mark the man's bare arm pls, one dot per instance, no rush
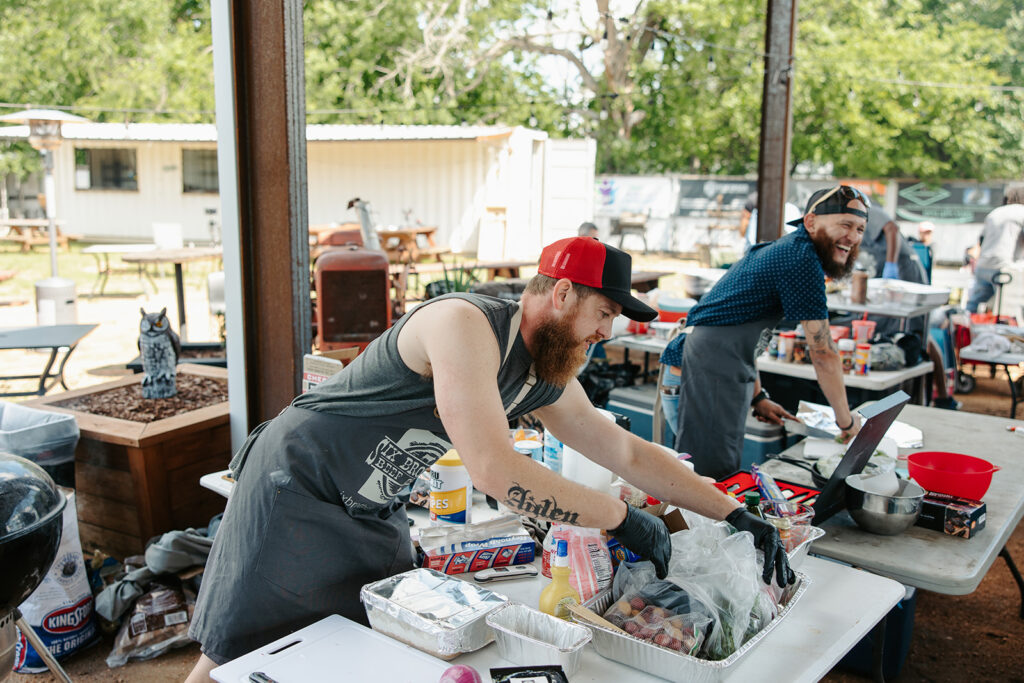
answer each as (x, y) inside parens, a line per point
(577, 423)
(829, 369)
(456, 346)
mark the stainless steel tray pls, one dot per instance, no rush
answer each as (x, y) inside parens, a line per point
(528, 636)
(439, 614)
(671, 665)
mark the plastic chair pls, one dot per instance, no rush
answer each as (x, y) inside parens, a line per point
(168, 236)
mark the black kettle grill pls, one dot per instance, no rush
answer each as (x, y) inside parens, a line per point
(31, 521)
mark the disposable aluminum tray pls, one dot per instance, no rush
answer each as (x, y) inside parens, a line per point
(672, 665)
(526, 635)
(907, 293)
(798, 554)
(439, 614)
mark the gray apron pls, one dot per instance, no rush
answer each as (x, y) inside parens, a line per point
(716, 386)
(313, 517)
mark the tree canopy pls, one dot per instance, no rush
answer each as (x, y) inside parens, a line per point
(881, 88)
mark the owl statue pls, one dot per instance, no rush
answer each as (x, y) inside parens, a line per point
(160, 348)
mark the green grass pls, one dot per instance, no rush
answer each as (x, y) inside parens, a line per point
(30, 267)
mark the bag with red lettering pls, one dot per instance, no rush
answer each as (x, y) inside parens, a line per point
(60, 610)
(589, 560)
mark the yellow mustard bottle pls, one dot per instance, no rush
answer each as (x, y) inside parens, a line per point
(556, 594)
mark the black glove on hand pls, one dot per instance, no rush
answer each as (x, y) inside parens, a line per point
(766, 537)
(647, 536)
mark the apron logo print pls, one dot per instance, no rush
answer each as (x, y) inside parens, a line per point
(398, 466)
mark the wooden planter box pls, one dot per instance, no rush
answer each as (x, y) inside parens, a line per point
(135, 480)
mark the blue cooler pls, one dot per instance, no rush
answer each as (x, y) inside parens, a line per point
(760, 439)
(636, 403)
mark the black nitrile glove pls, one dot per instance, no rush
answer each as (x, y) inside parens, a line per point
(766, 537)
(647, 536)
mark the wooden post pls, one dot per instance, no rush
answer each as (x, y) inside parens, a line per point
(269, 139)
(776, 119)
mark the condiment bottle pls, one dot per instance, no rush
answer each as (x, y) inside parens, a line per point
(862, 359)
(753, 502)
(556, 594)
(846, 349)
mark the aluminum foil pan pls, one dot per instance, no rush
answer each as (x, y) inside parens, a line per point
(439, 614)
(798, 554)
(672, 665)
(528, 636)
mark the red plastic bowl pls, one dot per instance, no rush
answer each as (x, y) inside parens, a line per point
(953, 473)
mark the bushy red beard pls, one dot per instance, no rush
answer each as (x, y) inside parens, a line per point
(826, 248)
(557, 353)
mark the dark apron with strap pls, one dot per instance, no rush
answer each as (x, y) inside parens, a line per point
(312, 518)
(717, 383)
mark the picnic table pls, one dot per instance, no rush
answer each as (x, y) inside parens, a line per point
(29, 232)
(177, 257)
(403, 244)
(52, 337)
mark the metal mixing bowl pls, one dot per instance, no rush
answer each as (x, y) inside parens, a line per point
(884, 515)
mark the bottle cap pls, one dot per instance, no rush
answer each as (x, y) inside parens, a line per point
(562, 548)
(752, 498)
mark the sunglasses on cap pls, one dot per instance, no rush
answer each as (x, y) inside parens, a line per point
(847, 194)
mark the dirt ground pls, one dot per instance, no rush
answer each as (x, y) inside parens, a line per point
(975, 637)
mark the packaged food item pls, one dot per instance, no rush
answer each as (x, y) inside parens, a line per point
(157, 622)
(529, 674)
(554, 595)
(498, 542)
(800, 350)
(862, 360)
(589, 558)
(451, 490)
(787, 346)
(846, 351)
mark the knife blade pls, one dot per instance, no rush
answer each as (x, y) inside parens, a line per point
(799, 427)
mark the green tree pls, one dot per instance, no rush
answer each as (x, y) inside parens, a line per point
(148, 56)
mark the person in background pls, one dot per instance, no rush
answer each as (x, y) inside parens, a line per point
(714, 358)
(314, 513)
(1000, 244)
(888, 254)
(925, 230)
(588, 229)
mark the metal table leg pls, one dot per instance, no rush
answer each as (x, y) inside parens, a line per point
(1005, 554)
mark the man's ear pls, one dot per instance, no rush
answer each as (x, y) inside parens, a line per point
(560, 293)
(809, 220)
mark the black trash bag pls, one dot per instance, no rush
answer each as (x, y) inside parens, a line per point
(599, 378)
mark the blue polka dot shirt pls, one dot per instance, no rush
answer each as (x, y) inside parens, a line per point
(780, 279)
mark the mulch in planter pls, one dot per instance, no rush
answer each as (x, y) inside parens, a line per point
(126, 402)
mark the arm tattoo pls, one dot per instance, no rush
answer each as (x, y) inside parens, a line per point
(821, 336)
(522, 500)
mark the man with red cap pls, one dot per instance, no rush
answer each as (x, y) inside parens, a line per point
(314, 515)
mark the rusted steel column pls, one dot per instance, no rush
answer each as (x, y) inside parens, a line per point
(270, 137)
(776, 118)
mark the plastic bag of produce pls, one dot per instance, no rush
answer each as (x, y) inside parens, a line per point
(665, 614)
(61, 608)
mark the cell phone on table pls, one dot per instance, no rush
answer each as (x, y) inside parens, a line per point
(517, 571)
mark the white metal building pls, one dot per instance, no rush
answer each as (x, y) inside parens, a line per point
(499, 192)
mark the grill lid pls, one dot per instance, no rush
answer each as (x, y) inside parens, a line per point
(28, 496)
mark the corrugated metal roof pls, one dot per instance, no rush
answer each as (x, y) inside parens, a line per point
(207, 132)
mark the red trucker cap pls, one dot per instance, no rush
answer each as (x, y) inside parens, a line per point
(586, 261)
